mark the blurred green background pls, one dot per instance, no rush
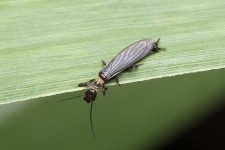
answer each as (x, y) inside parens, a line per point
(47, 47)
(135, 116)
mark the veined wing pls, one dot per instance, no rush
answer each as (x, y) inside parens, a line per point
(127, 57)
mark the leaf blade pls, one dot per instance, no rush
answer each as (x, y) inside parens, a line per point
(47, 49)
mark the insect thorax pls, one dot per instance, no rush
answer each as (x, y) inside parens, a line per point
(98, 83)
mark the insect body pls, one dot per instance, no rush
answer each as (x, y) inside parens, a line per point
(126, 59)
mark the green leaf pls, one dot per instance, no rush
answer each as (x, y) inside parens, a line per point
(47, 48)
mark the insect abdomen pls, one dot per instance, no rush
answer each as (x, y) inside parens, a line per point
(128, 57)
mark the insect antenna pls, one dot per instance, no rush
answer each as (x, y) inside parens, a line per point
(92, 127)
(69, 98)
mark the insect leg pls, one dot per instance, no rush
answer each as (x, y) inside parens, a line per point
(117, 81)
(134, 67)
(85, 83)
(103, 62)
(104, 88)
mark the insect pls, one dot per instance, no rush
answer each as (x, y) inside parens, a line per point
(125, 60)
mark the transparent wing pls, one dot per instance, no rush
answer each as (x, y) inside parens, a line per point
(128, 57)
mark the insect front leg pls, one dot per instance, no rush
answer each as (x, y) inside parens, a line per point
(104, 88)
(85, 83)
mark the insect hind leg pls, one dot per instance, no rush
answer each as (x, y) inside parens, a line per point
(117, 81)
(134, 67)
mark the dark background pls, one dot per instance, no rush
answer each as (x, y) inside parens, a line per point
(181, 112)
(209, 133)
